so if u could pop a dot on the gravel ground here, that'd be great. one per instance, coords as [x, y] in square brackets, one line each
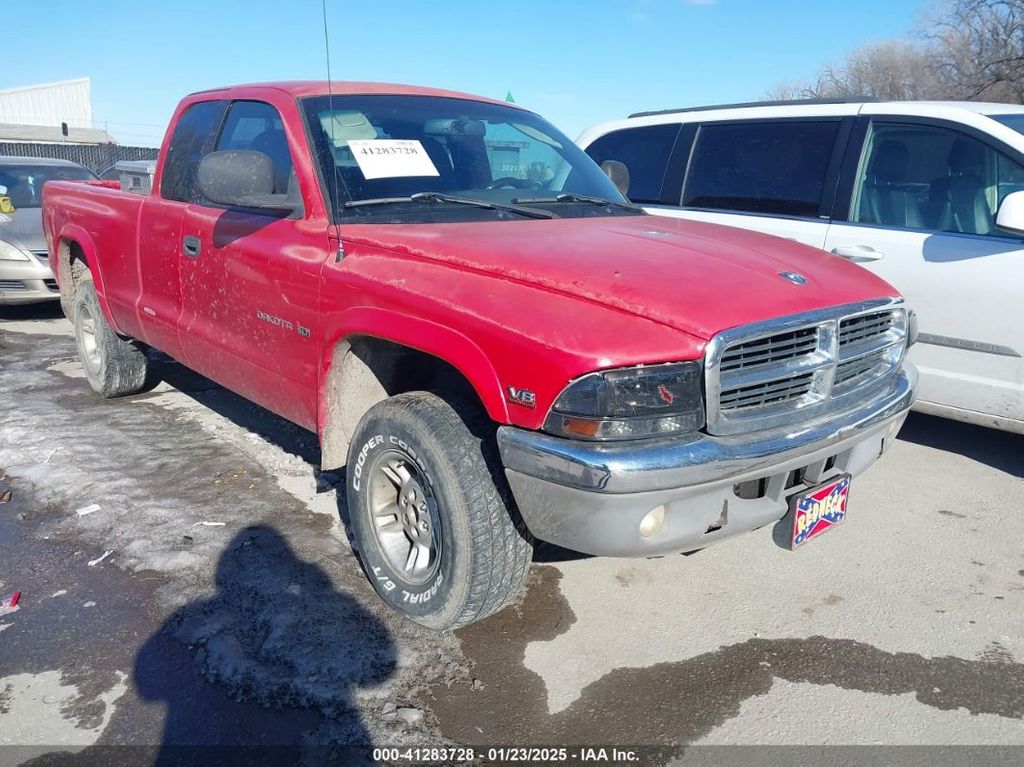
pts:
[212, 599]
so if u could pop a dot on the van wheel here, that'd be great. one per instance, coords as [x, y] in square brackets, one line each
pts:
[431, 518]
[114, 366]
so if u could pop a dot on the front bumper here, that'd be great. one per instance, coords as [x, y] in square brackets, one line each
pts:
[27, 282]
[593, 497]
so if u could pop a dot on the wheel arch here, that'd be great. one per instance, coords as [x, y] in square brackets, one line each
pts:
[74, 245]
[375, 353]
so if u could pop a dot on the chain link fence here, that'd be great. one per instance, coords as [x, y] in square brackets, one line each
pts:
[96, 157]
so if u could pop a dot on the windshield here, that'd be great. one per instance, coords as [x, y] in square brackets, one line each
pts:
[388, 149]
[1015, 121]
[24, 183]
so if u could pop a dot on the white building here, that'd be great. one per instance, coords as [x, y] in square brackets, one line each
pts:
[37, 114]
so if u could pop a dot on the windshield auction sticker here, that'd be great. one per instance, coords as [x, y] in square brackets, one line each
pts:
[391, 158]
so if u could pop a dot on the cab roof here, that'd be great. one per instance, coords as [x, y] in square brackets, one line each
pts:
[302, 88]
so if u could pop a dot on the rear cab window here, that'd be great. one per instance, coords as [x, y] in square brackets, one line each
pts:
[778, 167]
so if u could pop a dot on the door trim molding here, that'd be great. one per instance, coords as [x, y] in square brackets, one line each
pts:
[967, 345]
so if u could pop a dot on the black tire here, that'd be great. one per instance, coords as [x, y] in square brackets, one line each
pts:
[482, 550]
[114, 366]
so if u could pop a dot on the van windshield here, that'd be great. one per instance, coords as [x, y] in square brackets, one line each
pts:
[404, 159]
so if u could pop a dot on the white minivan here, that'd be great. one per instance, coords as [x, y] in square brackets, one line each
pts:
[928, 195]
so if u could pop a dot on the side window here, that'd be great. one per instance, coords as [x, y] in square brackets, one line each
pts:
[930, 177]
[777, 167]
[192, 140]
[645, 151]
[257, 126]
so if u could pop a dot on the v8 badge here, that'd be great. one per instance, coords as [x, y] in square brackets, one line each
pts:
[523, 397]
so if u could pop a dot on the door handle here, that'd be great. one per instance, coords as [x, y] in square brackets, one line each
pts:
[190, 246]
[858, 253]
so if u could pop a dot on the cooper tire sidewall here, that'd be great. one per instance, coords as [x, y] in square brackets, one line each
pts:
[444, 593]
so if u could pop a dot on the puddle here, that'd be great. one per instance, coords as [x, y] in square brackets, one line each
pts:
[678, 703]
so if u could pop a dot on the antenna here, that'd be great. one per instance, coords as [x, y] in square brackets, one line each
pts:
[330, 105]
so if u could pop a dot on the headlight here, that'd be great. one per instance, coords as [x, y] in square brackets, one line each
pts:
[645, 401]
[9, 252]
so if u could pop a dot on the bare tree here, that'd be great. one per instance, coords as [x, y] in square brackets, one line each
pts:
[968, 49]
[980, 49]
[892, 70]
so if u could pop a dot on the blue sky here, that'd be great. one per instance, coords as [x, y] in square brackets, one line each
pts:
[577, 62]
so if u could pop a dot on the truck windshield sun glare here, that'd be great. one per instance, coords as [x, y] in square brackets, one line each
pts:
[403, 159]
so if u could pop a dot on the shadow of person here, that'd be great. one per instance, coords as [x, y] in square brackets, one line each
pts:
[282, 647]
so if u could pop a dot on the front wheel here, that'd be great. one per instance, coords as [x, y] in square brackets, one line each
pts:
[432, 520]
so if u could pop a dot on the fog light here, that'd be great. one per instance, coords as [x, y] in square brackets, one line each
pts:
[652, 521]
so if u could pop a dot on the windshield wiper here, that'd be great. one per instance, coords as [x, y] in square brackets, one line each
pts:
[453, 199]
[587, 198]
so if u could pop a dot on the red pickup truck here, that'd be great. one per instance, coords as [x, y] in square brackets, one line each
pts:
[495, 344]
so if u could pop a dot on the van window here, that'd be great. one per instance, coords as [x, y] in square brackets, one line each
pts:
[192, 140]
[645, 151]
[930, 177]
[776, 167]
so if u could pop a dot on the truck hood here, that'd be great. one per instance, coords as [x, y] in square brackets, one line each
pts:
[695, 277]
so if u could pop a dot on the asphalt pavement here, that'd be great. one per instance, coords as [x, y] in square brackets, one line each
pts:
[211, 598]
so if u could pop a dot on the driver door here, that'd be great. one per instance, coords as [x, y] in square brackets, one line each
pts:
[251, 282]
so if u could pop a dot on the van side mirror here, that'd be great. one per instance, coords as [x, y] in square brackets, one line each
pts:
[618, 172]
[1011, 213]
[242, 178]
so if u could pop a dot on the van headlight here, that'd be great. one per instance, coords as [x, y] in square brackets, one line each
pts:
[10, 252]
[630, 403]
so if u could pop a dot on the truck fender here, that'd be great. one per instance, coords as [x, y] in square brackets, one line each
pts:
[425, 336]
[78, 235]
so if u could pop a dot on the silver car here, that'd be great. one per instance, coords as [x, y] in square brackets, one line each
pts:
[25, 275]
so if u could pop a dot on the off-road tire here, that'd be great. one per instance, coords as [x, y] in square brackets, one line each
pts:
[114, 366]
[484, 549]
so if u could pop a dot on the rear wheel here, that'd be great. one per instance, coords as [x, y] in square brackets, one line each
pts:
[114, 366]
[431, 517]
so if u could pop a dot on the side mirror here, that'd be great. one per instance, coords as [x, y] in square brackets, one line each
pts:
[1011, 213]
[618, 172]
[242, 178]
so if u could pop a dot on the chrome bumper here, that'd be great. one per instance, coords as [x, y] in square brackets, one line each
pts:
[593, 497]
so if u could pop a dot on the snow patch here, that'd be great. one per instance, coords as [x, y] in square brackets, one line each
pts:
[44, 711]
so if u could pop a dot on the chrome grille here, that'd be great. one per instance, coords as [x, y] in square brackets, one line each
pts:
[765, 351]
[759, 376]
[847, 373]
[766, 393]
[864, 327]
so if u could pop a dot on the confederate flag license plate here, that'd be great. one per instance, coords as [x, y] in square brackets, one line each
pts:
[818, 510]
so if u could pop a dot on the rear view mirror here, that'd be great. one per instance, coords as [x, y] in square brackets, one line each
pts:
[1011, 213]
[618, 172]
[242, 178]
